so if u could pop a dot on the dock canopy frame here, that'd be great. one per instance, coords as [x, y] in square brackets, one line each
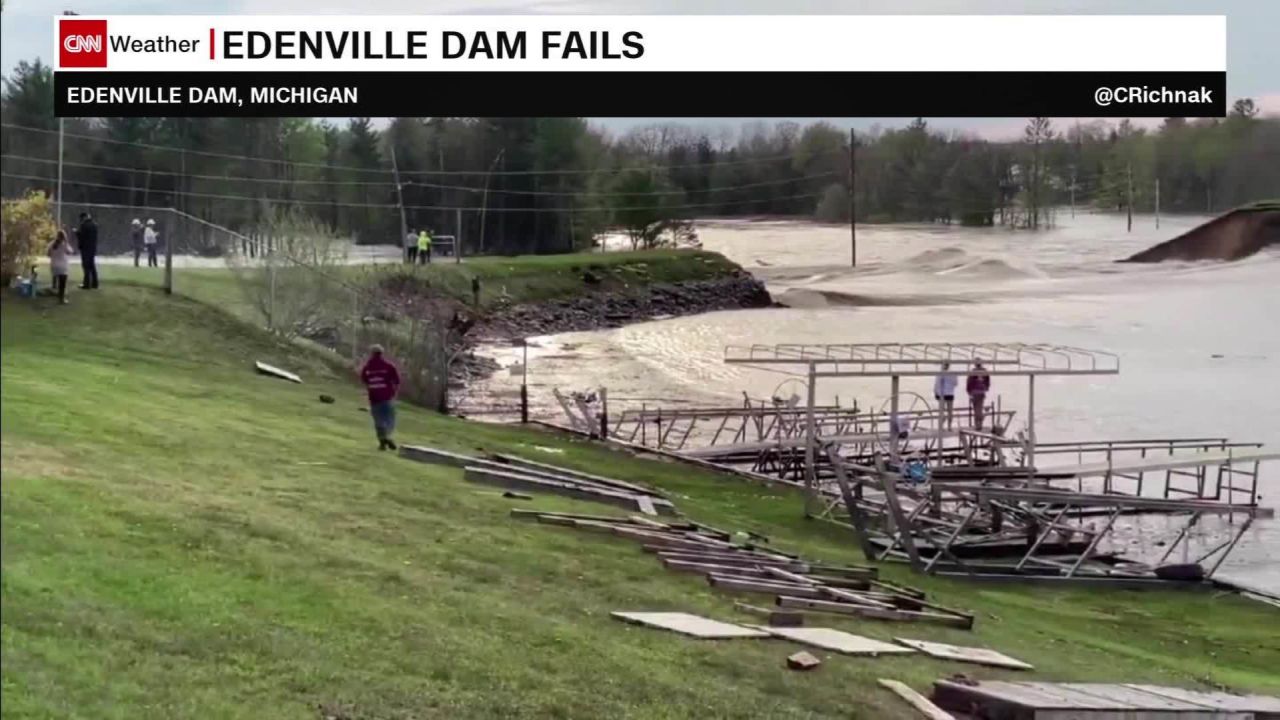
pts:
[918, 359]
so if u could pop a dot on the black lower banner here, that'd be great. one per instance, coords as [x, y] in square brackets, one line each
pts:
[641, 94]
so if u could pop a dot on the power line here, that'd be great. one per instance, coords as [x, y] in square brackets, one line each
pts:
[349, 168]
[463, 188]
[328, 203]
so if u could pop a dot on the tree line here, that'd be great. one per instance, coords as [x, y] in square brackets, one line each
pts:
[545, 185]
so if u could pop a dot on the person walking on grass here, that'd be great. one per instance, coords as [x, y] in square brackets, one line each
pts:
[424, 247]
[87, 244]
[977, 386]
[151, 238]
[411, 247]
[60, 264]
[944, 391]
[382, 380]
[135, 238]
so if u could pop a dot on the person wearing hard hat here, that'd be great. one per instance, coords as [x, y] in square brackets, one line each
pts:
[135, 237]
[424, 247]
[150, 239]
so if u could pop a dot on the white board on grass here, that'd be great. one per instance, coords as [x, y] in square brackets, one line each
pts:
[979, 656]
[835, 640]
[691, 625]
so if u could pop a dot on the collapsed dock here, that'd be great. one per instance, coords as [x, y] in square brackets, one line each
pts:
[930, 488]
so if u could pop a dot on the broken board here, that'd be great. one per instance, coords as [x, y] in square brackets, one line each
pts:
[274, 371]
[691, 625]
[979, 656]
[916, 700]
[1097, 701]
[835, 640]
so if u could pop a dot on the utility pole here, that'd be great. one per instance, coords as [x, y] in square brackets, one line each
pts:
[484, 203]
[1129, 175]
[57, 205]
[1157, 203]
[853, 228]
[1073, 192]
[395, 172]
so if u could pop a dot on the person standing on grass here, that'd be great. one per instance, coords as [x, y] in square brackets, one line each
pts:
[60, 264]
[944, 391]
[411, 247]
[977, 386]
[382, 380]
[135, 237]
[151, 239]
[424, 247]
[87, 244]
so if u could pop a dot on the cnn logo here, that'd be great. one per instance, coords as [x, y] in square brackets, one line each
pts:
[82, 43]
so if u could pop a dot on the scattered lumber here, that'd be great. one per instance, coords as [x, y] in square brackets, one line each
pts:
[803, 661]
[796, 586]
[773, 616]
[917, 701]
[516, 474]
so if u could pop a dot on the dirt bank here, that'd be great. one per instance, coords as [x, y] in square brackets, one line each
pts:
[608, 309]
[1232, 236]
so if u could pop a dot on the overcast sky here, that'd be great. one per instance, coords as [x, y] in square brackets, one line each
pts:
[1253, 54]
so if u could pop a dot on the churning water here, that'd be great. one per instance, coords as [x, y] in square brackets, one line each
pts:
[1199, 343]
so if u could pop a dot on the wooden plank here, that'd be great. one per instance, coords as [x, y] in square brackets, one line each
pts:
[577, 474]
[773, 616]
[745, 584]
[1265, 706]
[435, 456]
[1125, 697]
[836, 641]
[691, 625]
[646, 505]
[916, 700]
[711, 569]
[515, 481]
[856, 598]
[874, 613]
[523, 514]
[274, 371]
[980, 656]
[790, 576]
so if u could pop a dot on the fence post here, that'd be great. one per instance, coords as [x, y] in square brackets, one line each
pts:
[168, 259]
[524, 383]
[357, 323]
[271, 292]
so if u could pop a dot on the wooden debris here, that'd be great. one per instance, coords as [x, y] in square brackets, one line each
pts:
[435, 456]
[689, 547]
[979, 656]
[836, 641]
[773, 616]
[687, 624]
[516, 496]
[273, 371]
[537, 483]
[1098, 701]
[918, 701]
[519, 462]
[802, 661]
[874, 613]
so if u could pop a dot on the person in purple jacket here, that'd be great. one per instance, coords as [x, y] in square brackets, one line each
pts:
[977, 386]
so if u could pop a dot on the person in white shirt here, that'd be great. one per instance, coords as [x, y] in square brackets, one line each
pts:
[60, 264]
[944, 391]
[411, 247]
[150, 239]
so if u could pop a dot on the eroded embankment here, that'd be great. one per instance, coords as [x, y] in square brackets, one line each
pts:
[1231, 236]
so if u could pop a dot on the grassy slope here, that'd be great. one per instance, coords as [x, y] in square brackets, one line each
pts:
[183, 538]
[526, 278]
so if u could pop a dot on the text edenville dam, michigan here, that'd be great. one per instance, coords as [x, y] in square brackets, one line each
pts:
[393, 45]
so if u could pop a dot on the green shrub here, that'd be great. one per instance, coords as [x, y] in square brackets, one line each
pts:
[27, 228]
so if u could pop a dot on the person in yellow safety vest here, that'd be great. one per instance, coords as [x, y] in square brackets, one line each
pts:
[424, 247]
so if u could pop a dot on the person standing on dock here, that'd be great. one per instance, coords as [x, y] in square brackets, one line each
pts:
[382, 380]
[977, 386]
[944, 391]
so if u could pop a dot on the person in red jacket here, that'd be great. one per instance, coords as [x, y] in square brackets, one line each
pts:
[977, 385]
[382, 380]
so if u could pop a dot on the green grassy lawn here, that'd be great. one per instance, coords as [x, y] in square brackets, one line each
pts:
[525, 278]
[183, 538]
